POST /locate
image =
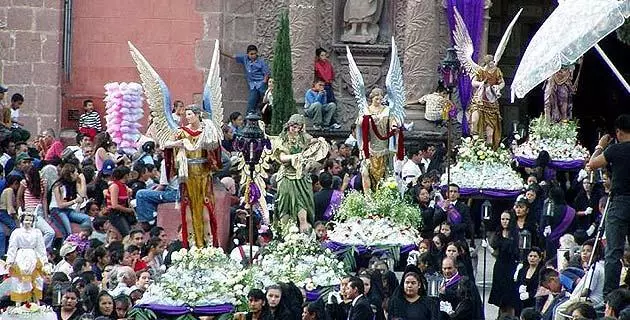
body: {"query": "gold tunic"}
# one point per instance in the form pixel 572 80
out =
pixel 487 105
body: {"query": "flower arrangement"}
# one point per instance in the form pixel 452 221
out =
pixel 368 232
pixel 28 309
pixel 490 176
pixel 476 151
pixel 200 277
pixel 558 139
pixel 481 167
pixel 385 202
pixel 299 259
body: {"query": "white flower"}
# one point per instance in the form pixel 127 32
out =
pixel 294 229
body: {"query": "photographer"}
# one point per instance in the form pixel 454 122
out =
pixel 618 214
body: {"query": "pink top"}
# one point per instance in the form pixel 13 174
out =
pixel 55 150
pixel 30 201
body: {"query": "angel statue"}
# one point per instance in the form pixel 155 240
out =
pixel 193 150
pixel 379 127
pixel 559 91
pixel 294 149
pixel 27 261
pixel 487 80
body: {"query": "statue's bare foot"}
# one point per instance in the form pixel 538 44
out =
pixel 306 228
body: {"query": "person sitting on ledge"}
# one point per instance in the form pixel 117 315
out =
pixel 318 109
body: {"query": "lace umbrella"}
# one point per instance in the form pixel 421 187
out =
pixel 573 28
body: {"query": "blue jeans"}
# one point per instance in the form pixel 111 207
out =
pixel 617 227
pixel 147 202
pixel 8 221
pixel 330 94
pixel 46 229
pixel 63 218
pixel 255 95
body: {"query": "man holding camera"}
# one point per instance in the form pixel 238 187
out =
pixel 617 156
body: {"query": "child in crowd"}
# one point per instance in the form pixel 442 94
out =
pixel 90 120
pixel 324 71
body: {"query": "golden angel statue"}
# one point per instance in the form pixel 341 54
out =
pixel 487 80
pixel 27 261
pixel 192 152
pixel 379 127
pixel 294 149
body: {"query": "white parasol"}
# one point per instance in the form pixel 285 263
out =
pixel 573 28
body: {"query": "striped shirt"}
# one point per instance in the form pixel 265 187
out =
pixel 30 201
pixel 90 120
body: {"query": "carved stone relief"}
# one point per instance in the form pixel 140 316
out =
pixel 302 17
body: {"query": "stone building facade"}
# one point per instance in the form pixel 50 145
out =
pixel 177 37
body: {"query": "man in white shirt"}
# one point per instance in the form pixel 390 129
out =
pixel 411 170
pixel 68 252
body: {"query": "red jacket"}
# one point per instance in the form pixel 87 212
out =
pixel 324 70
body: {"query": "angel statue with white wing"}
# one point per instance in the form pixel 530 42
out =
pixel 487 80
pixel 192 152
pixel 379 127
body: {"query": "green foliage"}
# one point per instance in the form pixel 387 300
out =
pixel 623 33
pixel 141 314
pixel 541 128
pixel 282 73
pixel 385 202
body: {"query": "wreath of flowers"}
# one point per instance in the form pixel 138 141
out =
pixel 558 139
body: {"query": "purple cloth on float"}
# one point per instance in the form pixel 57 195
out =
pixel 488 193
pixel 182 310
pixel 565 165
pixel 361 249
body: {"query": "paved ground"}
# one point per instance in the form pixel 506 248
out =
pixel 491 310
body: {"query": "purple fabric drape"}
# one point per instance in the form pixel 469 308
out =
pixel 182 310
pixel 338 247
pixel 472 13
pixel 335 202
pixel 560 229
pixel 487 193
pixel 562 165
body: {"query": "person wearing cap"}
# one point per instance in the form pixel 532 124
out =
pixel 23 162
pixel 68 253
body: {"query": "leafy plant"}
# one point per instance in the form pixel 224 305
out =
pixel 542 128
pixel 282 72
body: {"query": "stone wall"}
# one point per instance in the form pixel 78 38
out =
pixel 30 58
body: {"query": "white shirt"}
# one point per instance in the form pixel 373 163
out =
pixel 4 158
pixel 410 171
pixel 15 116
pixel 425 162
pixel 65 267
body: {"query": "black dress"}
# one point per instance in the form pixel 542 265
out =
pixel 531 284
pixel 504 292
pixel 400 308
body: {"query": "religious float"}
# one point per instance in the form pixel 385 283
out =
pixel 559 139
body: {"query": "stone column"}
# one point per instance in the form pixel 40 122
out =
pixel 303 21
pixel 486 25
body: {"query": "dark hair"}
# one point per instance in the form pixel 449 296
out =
pixel 132 247
pixel 102 140
pixel 99 222
pixel 85 102
pixel 134 231
pixel 556 195
pixel 13 178
pixel 357 283
pixel 618 300
pixel 251 47
pixel 98 253
pixel 97 311
pixel 155 231
pixel 234 115
pixel 140 168
pixel 176 102
pixel 120 172
pixel 325 179
pixel 34 182
pixel 454 185
pixel 16 97
pixel 530 314
pixel 319 51
pixel 418 277
pixel 543 159
pixel 623 123
pixel 256 294
pixel 586 310
pixel 548 274
pixel 78 264
pixel 316 81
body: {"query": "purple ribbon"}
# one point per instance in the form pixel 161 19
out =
pixel 254 192
pixel 182 310
pixel 565 165
pixel 472 14
pixel 335 202
pixel 453 216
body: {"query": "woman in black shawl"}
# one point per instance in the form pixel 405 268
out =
pixel 409 301
pixel 373 291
